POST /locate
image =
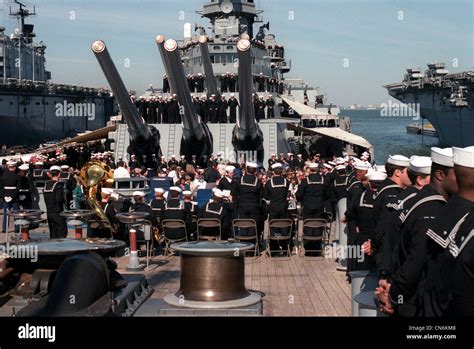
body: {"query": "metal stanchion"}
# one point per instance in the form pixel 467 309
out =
pixel 77 218
pixel 24 219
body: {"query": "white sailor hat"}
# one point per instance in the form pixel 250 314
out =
pixel 251 164
pixel 173 156
pixel 273 155
pixel 159 190
pixel 376 176
pixel 328 166
pixel 332 163
pixel 442 157
pixel 398 160
pixel 39 163
pixel 340 167
pixel 300 156
pixel 420 164
pixel 232 94
pixel 64 167
pixel 217 193
pixel 464 156
pixel 340 161
pixel 361 165
pixel 277 165
pixel 139 193
pixel 187 193
pixel 24 167
pixel 107 191
pixel 229 168
pixel 11 163
pixel 176 189
pixel 380 168
pixel 55 168
pixel 219 154
pixel 313 165
pixel 182 156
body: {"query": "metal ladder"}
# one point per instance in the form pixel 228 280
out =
pixel 222 139
pixel 171 140
pixel 272 138
pixel 122 133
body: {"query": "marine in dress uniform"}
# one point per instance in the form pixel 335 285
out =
pixel 9 192
pixel 54 200
pixel 27 188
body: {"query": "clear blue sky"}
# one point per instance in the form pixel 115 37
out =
pixel 369 33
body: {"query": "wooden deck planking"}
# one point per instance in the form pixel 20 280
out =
pixel 293 286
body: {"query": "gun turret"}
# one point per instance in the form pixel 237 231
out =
pixel 144 139
pixel 197 139
pixel 247 135
pixel 211 83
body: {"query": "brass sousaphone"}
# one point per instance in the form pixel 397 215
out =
pixel 95 175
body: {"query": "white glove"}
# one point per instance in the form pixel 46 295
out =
pixel 22 197
pixel 8 199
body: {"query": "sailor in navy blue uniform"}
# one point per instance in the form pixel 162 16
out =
pixel 158 203
pixel 174 209
pixel 448 289
pixel 338 192
pixel 9 192
pixel 248 193
pixel 54 200
pixel 360 221
pixel 217 208
pixel 276 192
pixel 397 172
pixel 69 183
pixel 417 216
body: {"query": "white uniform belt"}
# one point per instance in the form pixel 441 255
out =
pixel 10 188
pixel 24 190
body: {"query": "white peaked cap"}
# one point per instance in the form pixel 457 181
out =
pixel 159 190
pixel 399 160
pixel 420 164
pixel 229 168
pixel 442 157
pixel 251 165
pixel 138 193
pixel 187 193
pixel 340 167
pixel 24 167
pixel 107 191
pixel 464 156
pixel 313 165
pixel 176 189
pixel 277 165
pixel 55 168
pixel 64 167
pixel 217 193
pixel 328 166
pixel 376 176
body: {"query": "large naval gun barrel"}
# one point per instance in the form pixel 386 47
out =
pixel 197 138
pixel 211 83
pixel 247 136
pixel 144 139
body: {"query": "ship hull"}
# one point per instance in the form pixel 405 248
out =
pixel 454 125
pixel 34 119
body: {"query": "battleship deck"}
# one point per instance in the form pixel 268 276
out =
pixel 296 286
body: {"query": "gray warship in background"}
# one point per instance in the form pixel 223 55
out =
pixel 297 128
pixel 446 100
pixel 32 109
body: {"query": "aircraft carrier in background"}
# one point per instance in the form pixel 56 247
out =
pixel 446 100
pixel 32 109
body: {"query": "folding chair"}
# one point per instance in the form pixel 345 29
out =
pixel 239 224
pixel 318 223
pixel 168 226
pixel 204 224
pixel 272 236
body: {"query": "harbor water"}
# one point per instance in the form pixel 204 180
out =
pixel 388 134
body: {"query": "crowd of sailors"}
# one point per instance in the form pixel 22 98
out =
pixel 412 219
